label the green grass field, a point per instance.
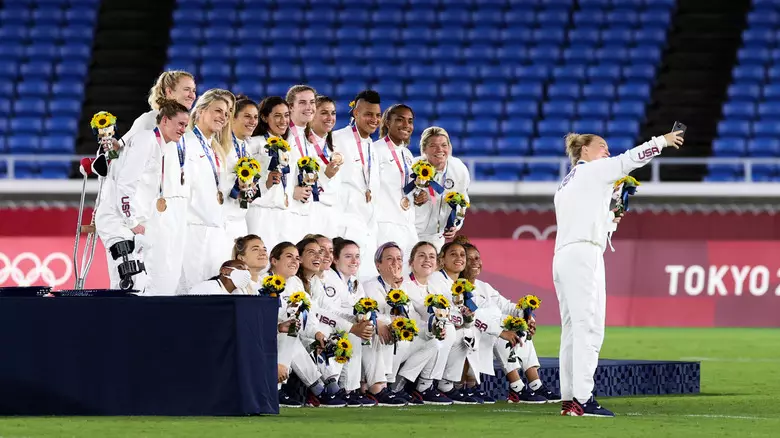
(740, 396)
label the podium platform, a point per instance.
(617, 378)
(200, 355)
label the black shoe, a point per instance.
(288, 401)
(552, 397)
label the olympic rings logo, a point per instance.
(539, 235)
(41, 269)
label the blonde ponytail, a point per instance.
(574, 143)
(168, 79)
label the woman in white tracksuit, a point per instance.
(148, 198)
(266, 215)
(205, 239)
(359, 174)
(405, 361)
(452, 175)
(396, 222)
(584, 219)
(325, 214)
(251, 250)
(284, 262)
(170, 85)
(244, 122)
(524, 357)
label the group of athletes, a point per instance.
(175, 200)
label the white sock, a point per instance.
(517, 386)
(445, 385)
(424, 384)
(536, 384)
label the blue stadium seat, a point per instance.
(512, 146)
(57, 144)
(766, 110)
(554, 127)
(764, 147)
(476, 146)
(734, 128)
(517, 128)
(729, 147)
(618, 145)
(32, 88)
(753, 55)
(452, 108)
(508, 171)
(548, 146)
(558, 109)
(30, 107)
(568, 73)
(741, 110)
(745, 92)
(564, 91)
(588, 126)
(629, 109)
(623, 127)
(527, 90)
(769, 128)
(522, 108)
(594, 109)
(604, 73)
(23, 144)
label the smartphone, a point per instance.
(679, 127)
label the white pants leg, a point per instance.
(459, 354)
(235, 227)
(295, 227)
(445, 347)
(416, 356)
(437, 240)
(525, 356)
(357, 230)
(374, 369)
(111, 230)
(578, 274)
(204, 248)
(303, 366)
(267, 223)
(285, 347)
(404, 235)
(165, 258)
(323, 220)
(352, 370)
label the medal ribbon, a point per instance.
(322, 152)
(404, 170)
(207, 151)
(297, 140)
(240, 150)
(366, 176)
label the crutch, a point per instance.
(86, 168)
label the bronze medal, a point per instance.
(405, 203)
(182, 178)
(161, 205)
(286, 200)
(220, 198)
(368, 195)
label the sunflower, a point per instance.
(507, 322)
(341, 359)
(467, 285)
(429, 300)
(399, 323)
(278, 281)
(254, 164)
(245, 174)
(274, 282)
(352, 104)
(449, 197)
(443, 301)
(406, 335)
(412, 326)
(369, 303)
(242, 161)
(297, 297)
(344, 344)
(303, 162)
(627, 180)
(457, 289)
(102, 119)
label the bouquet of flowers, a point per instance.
(365, 310)
(462, 295)
(278, 149)
(247, 171)
(518, 325)
(298, 306)
(439, 310)
(398, 302)
(404, 329)
(623, 188)
(423, 173)
(458, 203)
(103, 126)
(308, 169)
(273, 285)
(528, 304)
(337, 347)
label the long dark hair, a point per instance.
(276, 253)
(384, 126)
(321, 99)
(266, 106)
(458, 241)
(300, 274)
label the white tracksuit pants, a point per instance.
(268, 223)
(410, 358)
(205, 252)
(356, 229)
(526, 356)
(578, 274)
(303, 366)
(374, 367)
(235, 227)
(445, 346)
(460, 352)
(323, 219)
(165, 257)
(404, 235)
(112, 230)
(295, 227)
(351, 372)
(437, 240)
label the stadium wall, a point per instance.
(669, 269)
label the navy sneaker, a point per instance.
(479, 394)
(552, 397)
(458, 397)
(325, 400)
(525, 396)
(432, 396)
(288, 401)
(385, 397)
(352, 399)
(592, 408)
(410, 399)
(365, 399)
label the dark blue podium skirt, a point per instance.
(212, 355)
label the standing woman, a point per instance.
(583, 218)
(244, 123)
(301, 99)
(395, 223)
(266, 215)
(208, 137)
(325, 215)
(431, 215)
(170, 85)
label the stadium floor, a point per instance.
(740, 396)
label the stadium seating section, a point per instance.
(45, 48)
(503, 77)
(751, 115)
